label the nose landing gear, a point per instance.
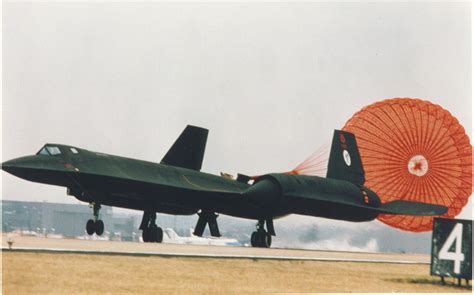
(95, 225)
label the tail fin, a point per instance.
(188, 150)
(344, 159)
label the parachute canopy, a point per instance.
(414, 150)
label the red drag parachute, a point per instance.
(316, 164)
(414, 150)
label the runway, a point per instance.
(129, 267)
(75, 246)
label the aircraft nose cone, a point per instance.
(19, 165)
(8, 165)
(17, 161)
(49, 170)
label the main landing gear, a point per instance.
(95, 225)
(261, 238)
(205, 218)
(151, 232)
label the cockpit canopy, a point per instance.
(53, 150)
(49, 150)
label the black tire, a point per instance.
(158, 235)
(152, 234)
(253, 239)
(267, 240)
(99, 227)
(263, 239)
(261, 235)
(146, 235)
(90, 227)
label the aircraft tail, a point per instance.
(401, 207)
(188, 150)
(344, 160)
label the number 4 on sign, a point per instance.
(457, 256)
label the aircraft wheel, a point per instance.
(266, 240)
(90, 227)
(158, 235)
(146, 235)
(261, 239)
(152, 234)
(99, 227)
(253, 239)
(261, 235)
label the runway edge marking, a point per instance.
(219, 256)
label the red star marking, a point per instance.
(342, 138)
(418, 166)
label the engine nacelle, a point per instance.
(315, 196)
(265, 194)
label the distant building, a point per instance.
(68, 220)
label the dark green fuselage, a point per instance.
(135, 184)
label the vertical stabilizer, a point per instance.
(188, 150)
(344, 159)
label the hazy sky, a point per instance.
(270, 80)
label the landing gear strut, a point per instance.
(151, 232)
(261, 238)
(207, 217)
(95, 225)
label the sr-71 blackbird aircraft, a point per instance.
(176, 186)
